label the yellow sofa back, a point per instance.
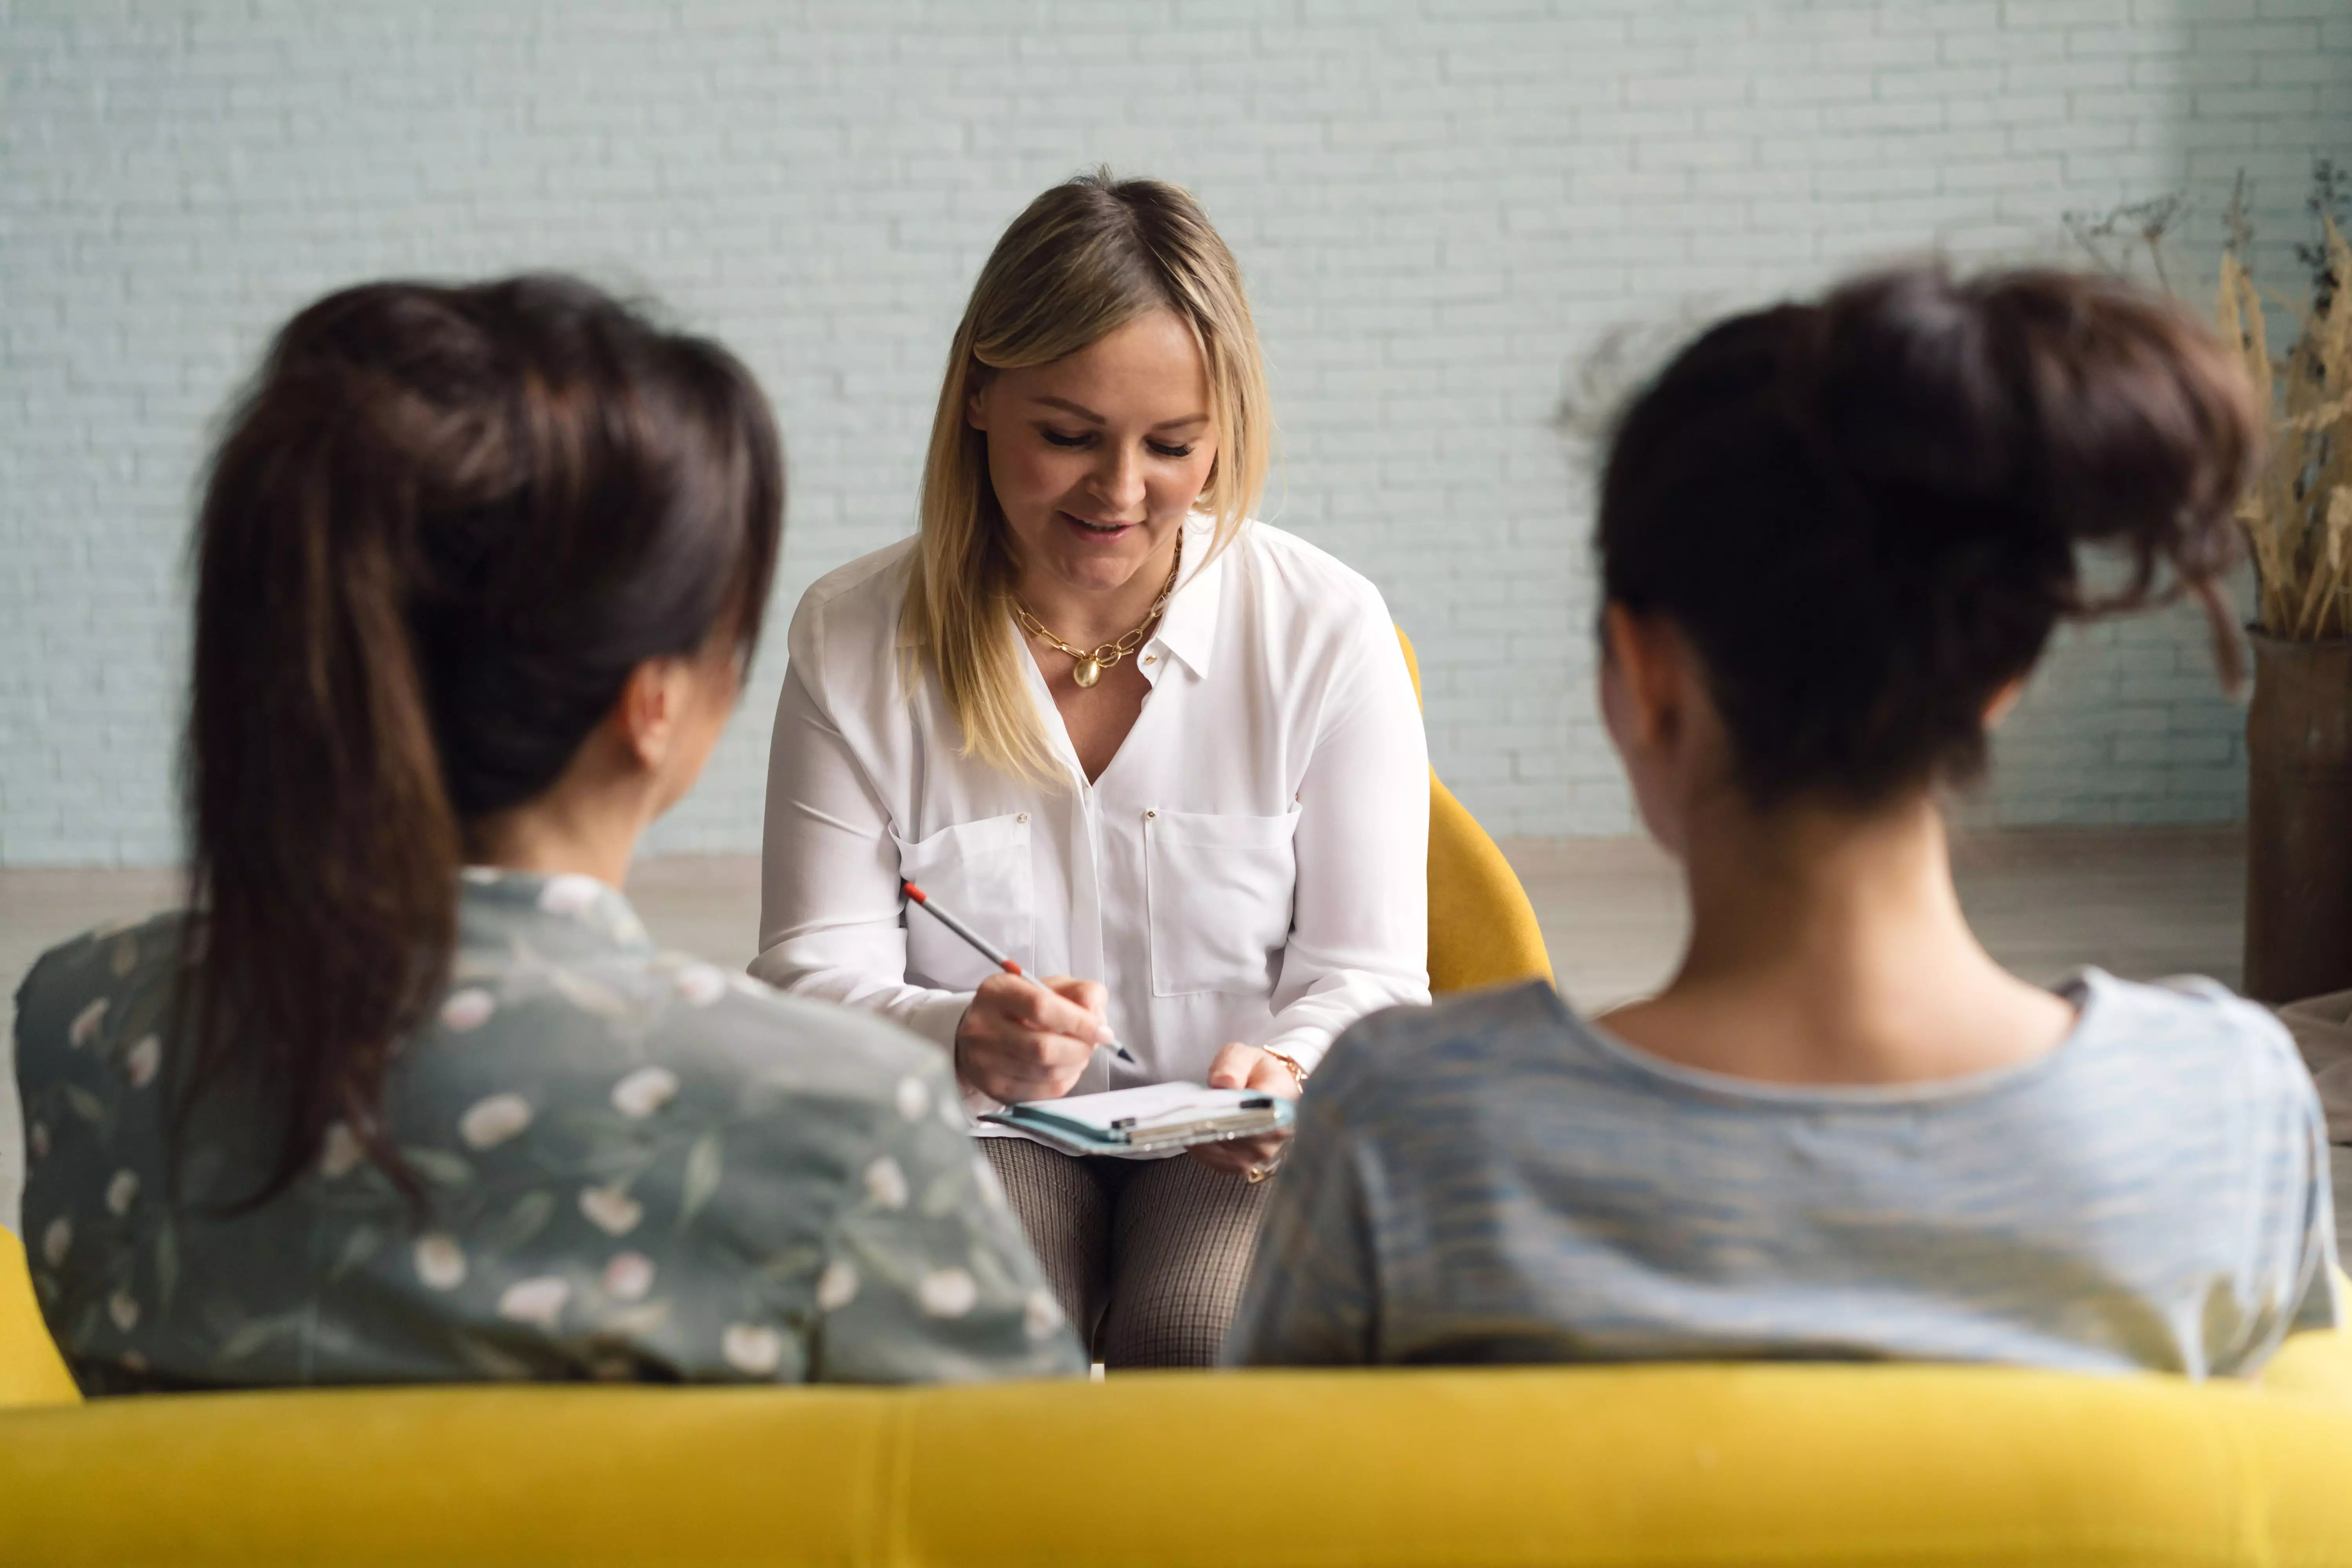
(1652, 1465)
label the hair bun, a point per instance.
(1866, 511)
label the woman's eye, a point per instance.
(1183, 451)
(1058, 438)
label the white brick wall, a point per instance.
(1440, 206)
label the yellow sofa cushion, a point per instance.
(1768, 1464)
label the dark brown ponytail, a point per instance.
(1866, 513)
(444, 525)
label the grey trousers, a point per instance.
(1147, 1257)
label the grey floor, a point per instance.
(2140, 903)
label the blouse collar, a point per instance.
(1188, 630)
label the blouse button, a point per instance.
(1021, 817)
(1151, 659)
(1149, 814)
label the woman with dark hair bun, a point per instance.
(407, 1095)
(1833, 541)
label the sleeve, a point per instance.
(2317, 1303)
(1312, 1297)
(926, 1277)
(830, 913)
(2295, 1266)
(1359, 923)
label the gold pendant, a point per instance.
(1089, 670)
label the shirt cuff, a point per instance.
(937, 1018)
(1305, 1046)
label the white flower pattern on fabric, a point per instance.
(440, 1261)
(611, 1210)
(491, 1122)
(467, 1010)
(628, 1277)
(752, 1349)
(644, 1091)
(570, 894)
(701, 984)
(144, 1060)
(537, 1300)
(567, 1058)
(84, 1027)
(838, 1287)
(1040, 1315)
(886, 1184)
(948, 1292)
(914, 1099)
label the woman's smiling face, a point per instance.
(1098, 458)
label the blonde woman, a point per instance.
(1159, 752)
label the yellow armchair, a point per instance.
(1482, 930)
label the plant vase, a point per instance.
(2299, 819)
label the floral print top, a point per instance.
(635, 1166)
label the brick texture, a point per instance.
(1443, 208)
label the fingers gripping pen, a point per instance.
(987, 950)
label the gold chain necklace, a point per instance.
(1091, 664)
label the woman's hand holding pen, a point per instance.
(1027, 1039)
(1246, 1066)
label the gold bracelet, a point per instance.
(1289, 1061)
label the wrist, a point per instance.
(1291, 1063)
(956, 1043)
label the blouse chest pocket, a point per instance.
(981, 873)
(1219, 894)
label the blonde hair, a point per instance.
(1086, 258)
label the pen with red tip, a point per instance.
(986, 950)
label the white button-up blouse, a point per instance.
(1250, 866)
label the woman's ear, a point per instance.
(646, 717)
(1646, 656)
(975, 398)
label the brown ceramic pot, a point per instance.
(2299, 819)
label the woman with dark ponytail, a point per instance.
(407, 1095)
(1833, 541)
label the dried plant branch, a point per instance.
(2298, 514)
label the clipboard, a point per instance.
(1156, 1118)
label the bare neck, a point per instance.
(576, 827)
(1830, 947)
